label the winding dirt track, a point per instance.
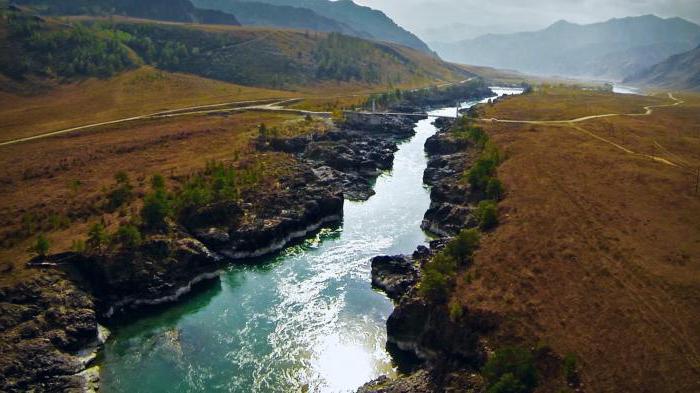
(269, 105)
(275, 105)
(648, 110)
(156, 115)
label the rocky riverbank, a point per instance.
(451, 199)
(352, 155)
(54, 317)
(438, 346)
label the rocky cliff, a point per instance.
(49, 328)
(438, 348)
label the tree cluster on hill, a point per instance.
(169, 10)
(35, 48)
(341, 57)
(97, 47)
(433, 96)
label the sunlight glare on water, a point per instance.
(304, 320)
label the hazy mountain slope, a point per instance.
(360, 18)
(263, 14)
(167, 10)
(284, 59)
(680, 71)
(609, 49)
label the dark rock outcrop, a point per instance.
(161, 270)
(425, 339)
(394, 275)
(451, 198)
(352, 155)
(44, 322)
(420, 381)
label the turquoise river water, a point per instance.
(304, 320)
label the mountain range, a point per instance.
(681, 71)
(263, 14)
(353, 19)
(609, 50)
(342, 16)
(38, 50)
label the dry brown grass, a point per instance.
(562, 103)
(38, 177)
(139, 92)
(598, 253)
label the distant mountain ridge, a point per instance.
(680, 71)
(364, 21)
(166, 10)
(262, 14)
(608, 50)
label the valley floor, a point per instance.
(598, 251)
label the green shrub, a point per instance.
(41, 246)
(569, 366)
(156, 205)
(262, 131)
(439, 273)
(437, 276)
(122, 192)
(119, 196)
(487, 214)
(511, 370)
(484, 169)
(494, 189)
(508, 383)
(481, 172)
(121, 177)
(128, 236)
(97, 238)
(78, 245)
(455, 310)
(477, 135)
(158, 182)
(463, 245)
(155, 210)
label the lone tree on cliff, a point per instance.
(41, 246)
(97, 238)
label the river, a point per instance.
(304, 320)
(621, 89)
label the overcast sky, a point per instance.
(437, 19)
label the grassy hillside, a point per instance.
(361, 19)
(136, 92)
(170, 10)
(597, 253)
(280, 59)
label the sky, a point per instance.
(451, 20)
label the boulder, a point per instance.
(394, 275)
